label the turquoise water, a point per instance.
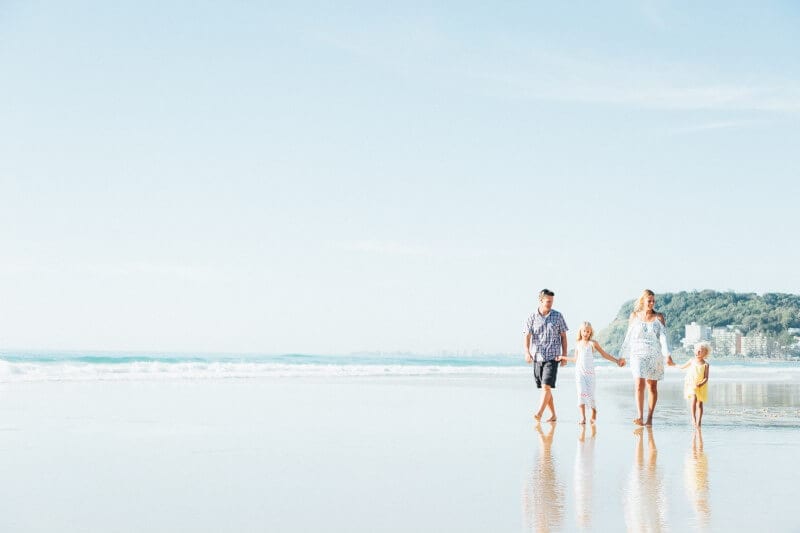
(296, 359)
(78, 366)
(299, 359)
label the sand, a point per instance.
(443, 453)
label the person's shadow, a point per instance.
(584, 476)
(645, 503)
(696, 479)
(544, 495)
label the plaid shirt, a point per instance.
(545, 334)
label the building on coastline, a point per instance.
(794, 348)
(730, 340)
(727, 340)
(757, 343)
(795, 334)
(694, 333)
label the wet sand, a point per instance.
(397, 454)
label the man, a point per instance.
(546, 338)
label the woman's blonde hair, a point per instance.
(640, 302)
(580, 331)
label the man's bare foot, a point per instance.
(538, 418)
(581, 421)
(649, 422)
(638, 421)
(552, 419)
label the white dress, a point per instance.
(584, 374)
(645, 347)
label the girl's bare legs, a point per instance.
(699, 413)
(693, 407)
(652, 389)
(594, 415)
(638, 394)
(582, 409)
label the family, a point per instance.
(645, 346)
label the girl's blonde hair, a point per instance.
(704, 346)
(640, 302)
(580, 331)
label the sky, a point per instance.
(338, 177)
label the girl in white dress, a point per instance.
(584, 369)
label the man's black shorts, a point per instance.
(545, 372)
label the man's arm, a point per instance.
(563, 348)
(528, 356)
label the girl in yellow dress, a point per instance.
(695, 385)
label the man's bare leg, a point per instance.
(552, 407)
(545, 401)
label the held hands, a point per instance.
(563, 360)
(620, 362)
(670, 362)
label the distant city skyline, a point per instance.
(305, 177)
(730, 340)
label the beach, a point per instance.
(444, 450)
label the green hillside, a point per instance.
(771, 313)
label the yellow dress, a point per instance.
(694, 375)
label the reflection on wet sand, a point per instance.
(645, 505)
(544, 495)
(584, 476)
(696, 478)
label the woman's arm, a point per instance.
(662, 339)
(623, 349)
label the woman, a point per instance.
(645, 346)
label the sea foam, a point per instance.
(43, 368)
